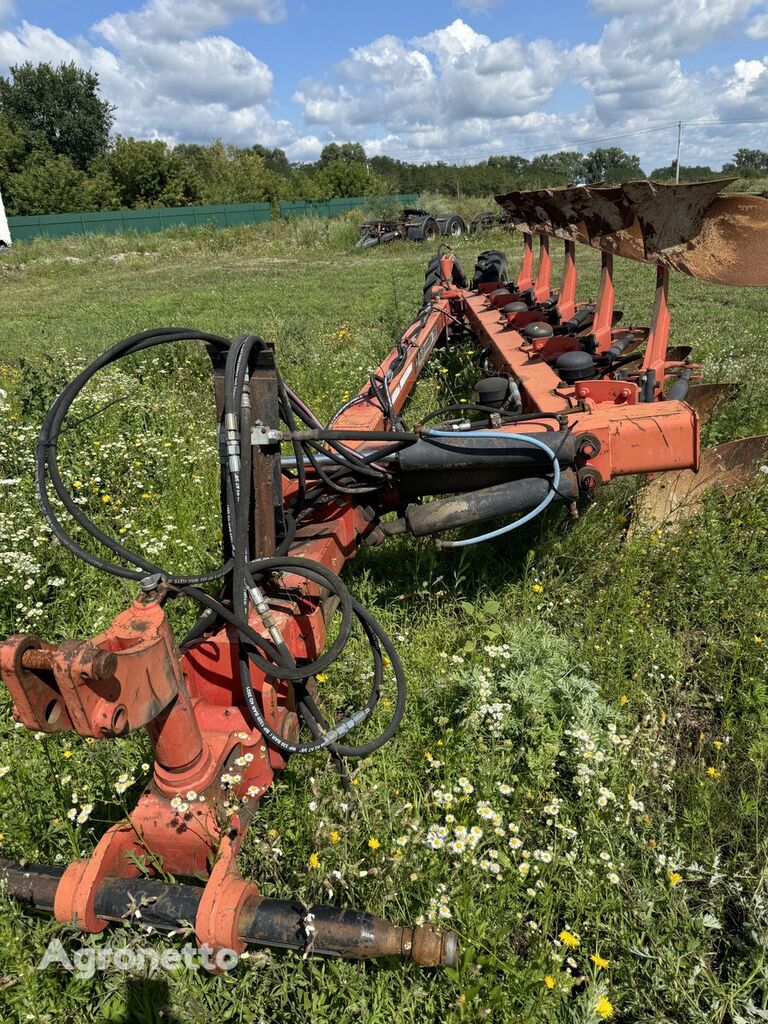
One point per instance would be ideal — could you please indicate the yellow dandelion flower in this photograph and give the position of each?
(321, 677)
(713, 773)
(537, 588)
(106, 499)
(604, 1007)
(335, 837)
(549, 981)
(374, 843)
(623, 699)
(314, 861)
(599, 961)
(569, 939)
(67, 753)
(674, 878)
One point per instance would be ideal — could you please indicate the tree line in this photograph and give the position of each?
(58, 155)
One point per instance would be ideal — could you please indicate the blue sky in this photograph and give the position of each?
(453, 80)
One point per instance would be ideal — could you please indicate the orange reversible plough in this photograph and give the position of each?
(566, 399)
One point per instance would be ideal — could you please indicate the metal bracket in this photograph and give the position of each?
(262, 435)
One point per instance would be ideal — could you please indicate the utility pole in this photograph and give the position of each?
(677, 156)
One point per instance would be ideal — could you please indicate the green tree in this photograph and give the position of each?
(149, 174)
(233, 175)
(12, 148)
(698, 172)
(340, 178)
(612, 165)
(57, 110)
(748, 163)
(563, 168)
(275, 160)
(49, 184)
(347, 152)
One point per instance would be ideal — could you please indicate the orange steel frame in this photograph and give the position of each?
(191, 703)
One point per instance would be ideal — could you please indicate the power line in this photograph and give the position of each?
(645, 131)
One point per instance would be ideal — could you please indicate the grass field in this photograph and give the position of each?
(578, 784)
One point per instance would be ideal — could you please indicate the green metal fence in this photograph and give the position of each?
(109, 223)
(58, 225)
(333, 207)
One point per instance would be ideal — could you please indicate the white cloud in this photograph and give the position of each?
(439, 80)
(758, 28)
(6, 9)
(454, 93)
(183, 90)
(478, 6)
(185, 19)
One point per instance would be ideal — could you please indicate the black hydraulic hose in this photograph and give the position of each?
(243, 587)
(313, 717)
(271, 658)
(509, 417)
(46, 465)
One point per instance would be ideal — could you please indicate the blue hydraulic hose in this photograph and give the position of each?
(527, 439)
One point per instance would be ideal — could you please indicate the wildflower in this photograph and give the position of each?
(334, 837)
(321, 677)
(623, 699)
(72, 813)
(537, 588)
(674, 878)
(465, 786)
(569, 939)
(374, 843)
(402, 840)
(85, 813)
(106, 499)
(613, 878)
(604, 1007)
(713, 773)
(192, 795)
(504, 789)
(67, 754)
(314, 861)
(515, 843)
(599, 961)
(123, 783)
(549, 981)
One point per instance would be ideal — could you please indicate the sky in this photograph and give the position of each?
(453, 80)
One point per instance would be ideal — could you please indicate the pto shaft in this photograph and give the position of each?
(286, 924)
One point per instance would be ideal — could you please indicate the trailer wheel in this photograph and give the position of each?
(491, 268)
(425, 230)
(453, 225)
(482, 221)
